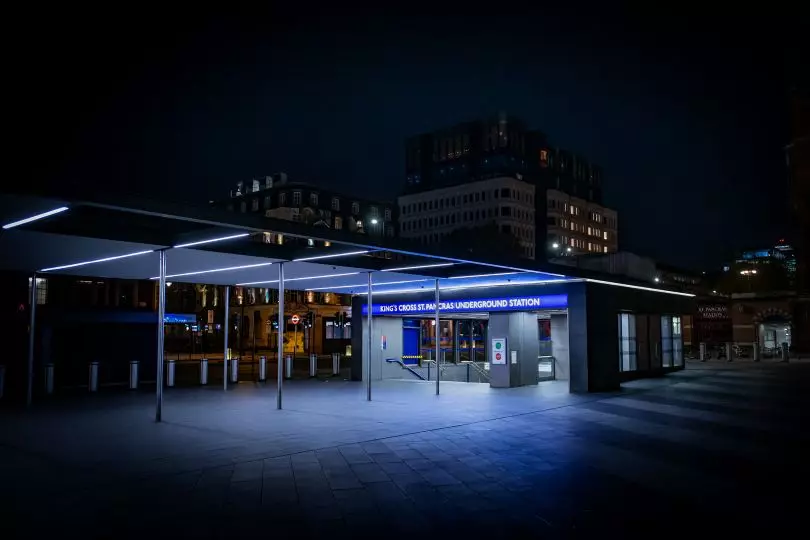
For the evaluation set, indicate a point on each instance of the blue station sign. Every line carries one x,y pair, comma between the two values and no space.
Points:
509,303
180,318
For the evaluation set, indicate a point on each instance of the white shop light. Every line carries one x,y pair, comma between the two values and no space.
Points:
105,259
35,218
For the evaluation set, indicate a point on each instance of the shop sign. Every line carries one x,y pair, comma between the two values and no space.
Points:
713,312
181,318
509,303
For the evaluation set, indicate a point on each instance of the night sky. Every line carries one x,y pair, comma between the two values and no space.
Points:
687,116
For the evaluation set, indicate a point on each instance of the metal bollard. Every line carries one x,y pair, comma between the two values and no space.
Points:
49,373
335,364
702,352
92,383
729,352
262,368
203,371
756,352
235,370
170,370
785,353
133,374
313,366
288,367
2,380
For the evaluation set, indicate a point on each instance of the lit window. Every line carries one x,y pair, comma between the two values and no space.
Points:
313,199
335,203
338,222
296,198
42,290
604,249
604,235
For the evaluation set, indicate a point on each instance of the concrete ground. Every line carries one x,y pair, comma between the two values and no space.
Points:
714,448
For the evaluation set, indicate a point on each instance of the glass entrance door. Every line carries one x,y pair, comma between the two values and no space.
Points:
460,340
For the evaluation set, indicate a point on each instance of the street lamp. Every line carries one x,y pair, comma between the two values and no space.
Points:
656,279
568,249
555,245
374,221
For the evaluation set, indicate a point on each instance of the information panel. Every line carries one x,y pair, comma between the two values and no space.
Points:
498,351
509,303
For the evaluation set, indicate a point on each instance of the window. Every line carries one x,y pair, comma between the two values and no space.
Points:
254,205
604,235
268,202
355,208
42,290
296,198
282,199
337,328
504,193
627,342
677,342
387,214
335,203
604,249
313,199
506,211
338,222
477,197
666,341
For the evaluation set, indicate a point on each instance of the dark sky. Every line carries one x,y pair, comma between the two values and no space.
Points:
687,115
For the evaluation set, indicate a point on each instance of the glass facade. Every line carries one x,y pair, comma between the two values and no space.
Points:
627,342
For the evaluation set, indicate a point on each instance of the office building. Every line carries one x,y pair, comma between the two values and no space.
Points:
454,178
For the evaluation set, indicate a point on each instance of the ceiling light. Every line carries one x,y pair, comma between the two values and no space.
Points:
242,267
220,239
105,259
437,265
317,257
485,275
319,277
637,287
34,218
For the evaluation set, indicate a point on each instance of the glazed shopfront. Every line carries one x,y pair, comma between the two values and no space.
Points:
591,333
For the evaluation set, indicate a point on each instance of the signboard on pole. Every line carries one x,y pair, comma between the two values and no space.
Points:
295,319
498,351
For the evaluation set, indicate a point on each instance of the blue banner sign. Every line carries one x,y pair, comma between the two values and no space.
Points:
511,303
180,318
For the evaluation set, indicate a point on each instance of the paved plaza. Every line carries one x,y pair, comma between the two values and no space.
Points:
714,448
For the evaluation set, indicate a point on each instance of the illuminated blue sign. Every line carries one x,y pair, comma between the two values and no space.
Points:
179,318
509,303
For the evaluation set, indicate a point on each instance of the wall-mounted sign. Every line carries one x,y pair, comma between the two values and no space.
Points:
498,351
510,303
713,312
180,318
295,319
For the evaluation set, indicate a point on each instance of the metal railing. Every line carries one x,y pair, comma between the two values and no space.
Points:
405,367
482,373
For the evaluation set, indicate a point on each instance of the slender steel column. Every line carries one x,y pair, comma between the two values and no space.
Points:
160,330
227,326
280,333
437,333
31,333
369,341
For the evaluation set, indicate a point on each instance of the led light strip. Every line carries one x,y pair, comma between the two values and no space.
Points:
476,286
301,279
638,287
437,265
256,282
244,266
487,275
34,218
221,239
317,257
365,285
83,263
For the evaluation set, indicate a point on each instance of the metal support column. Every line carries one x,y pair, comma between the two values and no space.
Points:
31,331
279,359
369,342
160,330
437,334
227,326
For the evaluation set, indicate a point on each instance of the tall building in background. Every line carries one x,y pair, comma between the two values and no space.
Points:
495,179
798,164
275,196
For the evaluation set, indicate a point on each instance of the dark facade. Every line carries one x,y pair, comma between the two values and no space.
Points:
493,147
275,196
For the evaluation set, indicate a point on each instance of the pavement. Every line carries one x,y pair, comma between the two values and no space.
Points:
709,449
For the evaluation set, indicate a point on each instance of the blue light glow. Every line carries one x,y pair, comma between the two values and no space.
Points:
466,305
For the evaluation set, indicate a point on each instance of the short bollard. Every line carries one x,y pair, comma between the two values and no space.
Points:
133,374
702,352
729,352
203,371
785,353
262,368
49,373
335,364
234,370
756,352
170,370
288,367
2,380
313,366
92,383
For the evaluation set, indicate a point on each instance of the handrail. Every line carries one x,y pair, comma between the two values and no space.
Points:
481,371
404,366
